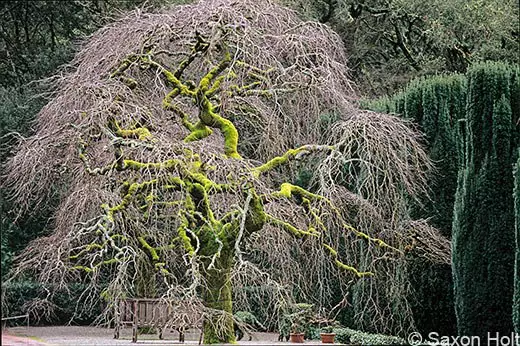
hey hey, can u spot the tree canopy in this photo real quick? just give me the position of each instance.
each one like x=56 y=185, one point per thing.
x=167 y=147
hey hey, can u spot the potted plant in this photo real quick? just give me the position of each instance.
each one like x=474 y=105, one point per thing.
x=297 y=333
x=327 y=335
x=300 y=320
x=297 y=330
x=297 y=337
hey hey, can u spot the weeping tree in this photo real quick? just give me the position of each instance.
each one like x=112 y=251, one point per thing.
x=484 y=222
x=169 y=143
x=436 y=104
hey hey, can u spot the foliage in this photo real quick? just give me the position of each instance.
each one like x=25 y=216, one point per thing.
x=17 y=108
x=245 y=321
x=436 y=104
x=249 y=319
x=25 y=296
x=483 y=226
x=391 y=42
x=432 y=298
x=390 y=312
x=36 y=38
x=300 y=319
x=355 y=337
x=439 y=105
x=327 y=329
x=39 y=36
x=6 y=251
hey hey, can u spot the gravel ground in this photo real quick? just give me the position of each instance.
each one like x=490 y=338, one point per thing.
x=11 y=340
x=94 y=336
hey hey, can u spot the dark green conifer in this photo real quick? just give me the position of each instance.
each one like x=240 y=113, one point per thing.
x=483 y=225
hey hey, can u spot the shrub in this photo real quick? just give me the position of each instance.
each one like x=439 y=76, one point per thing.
x=23 y=297
x=351 y=336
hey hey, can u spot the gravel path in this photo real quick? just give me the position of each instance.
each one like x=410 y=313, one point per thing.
x=88 y=336
x=11 y=340
x=95 y=336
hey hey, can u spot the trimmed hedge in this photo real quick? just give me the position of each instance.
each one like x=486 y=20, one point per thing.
x=484 y=221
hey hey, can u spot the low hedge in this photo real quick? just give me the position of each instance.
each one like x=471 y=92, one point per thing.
x=356 y=337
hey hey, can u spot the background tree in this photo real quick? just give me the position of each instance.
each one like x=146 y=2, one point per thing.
x=147 y=128
x=391 y=42
x=38 y=36
x=483 y=225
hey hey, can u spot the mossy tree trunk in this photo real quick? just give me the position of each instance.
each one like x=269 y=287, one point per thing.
x=218 y=257
x=218 y=297
x=146 y=281
x=217 y=291
x=483 y=226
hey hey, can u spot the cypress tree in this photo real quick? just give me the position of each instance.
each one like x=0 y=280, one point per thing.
x=483 y=225
x=437 y=104
x=442 y=105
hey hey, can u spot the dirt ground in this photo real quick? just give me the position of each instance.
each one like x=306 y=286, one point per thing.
x=95 y=336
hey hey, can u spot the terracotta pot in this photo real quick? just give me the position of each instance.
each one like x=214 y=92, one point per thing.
x=327 y=338
x=297 y=337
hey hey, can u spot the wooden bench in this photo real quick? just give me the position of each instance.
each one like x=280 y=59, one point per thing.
x=146 y=312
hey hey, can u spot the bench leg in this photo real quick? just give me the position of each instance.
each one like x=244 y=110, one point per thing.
x=117 y=319
x=134 y=332
x=135 y=319
x=116 y=332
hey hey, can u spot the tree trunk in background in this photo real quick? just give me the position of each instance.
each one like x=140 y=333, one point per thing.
x=483 y=226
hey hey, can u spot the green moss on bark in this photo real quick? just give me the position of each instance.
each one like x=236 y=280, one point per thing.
x=217 y=293
x=218 y=296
